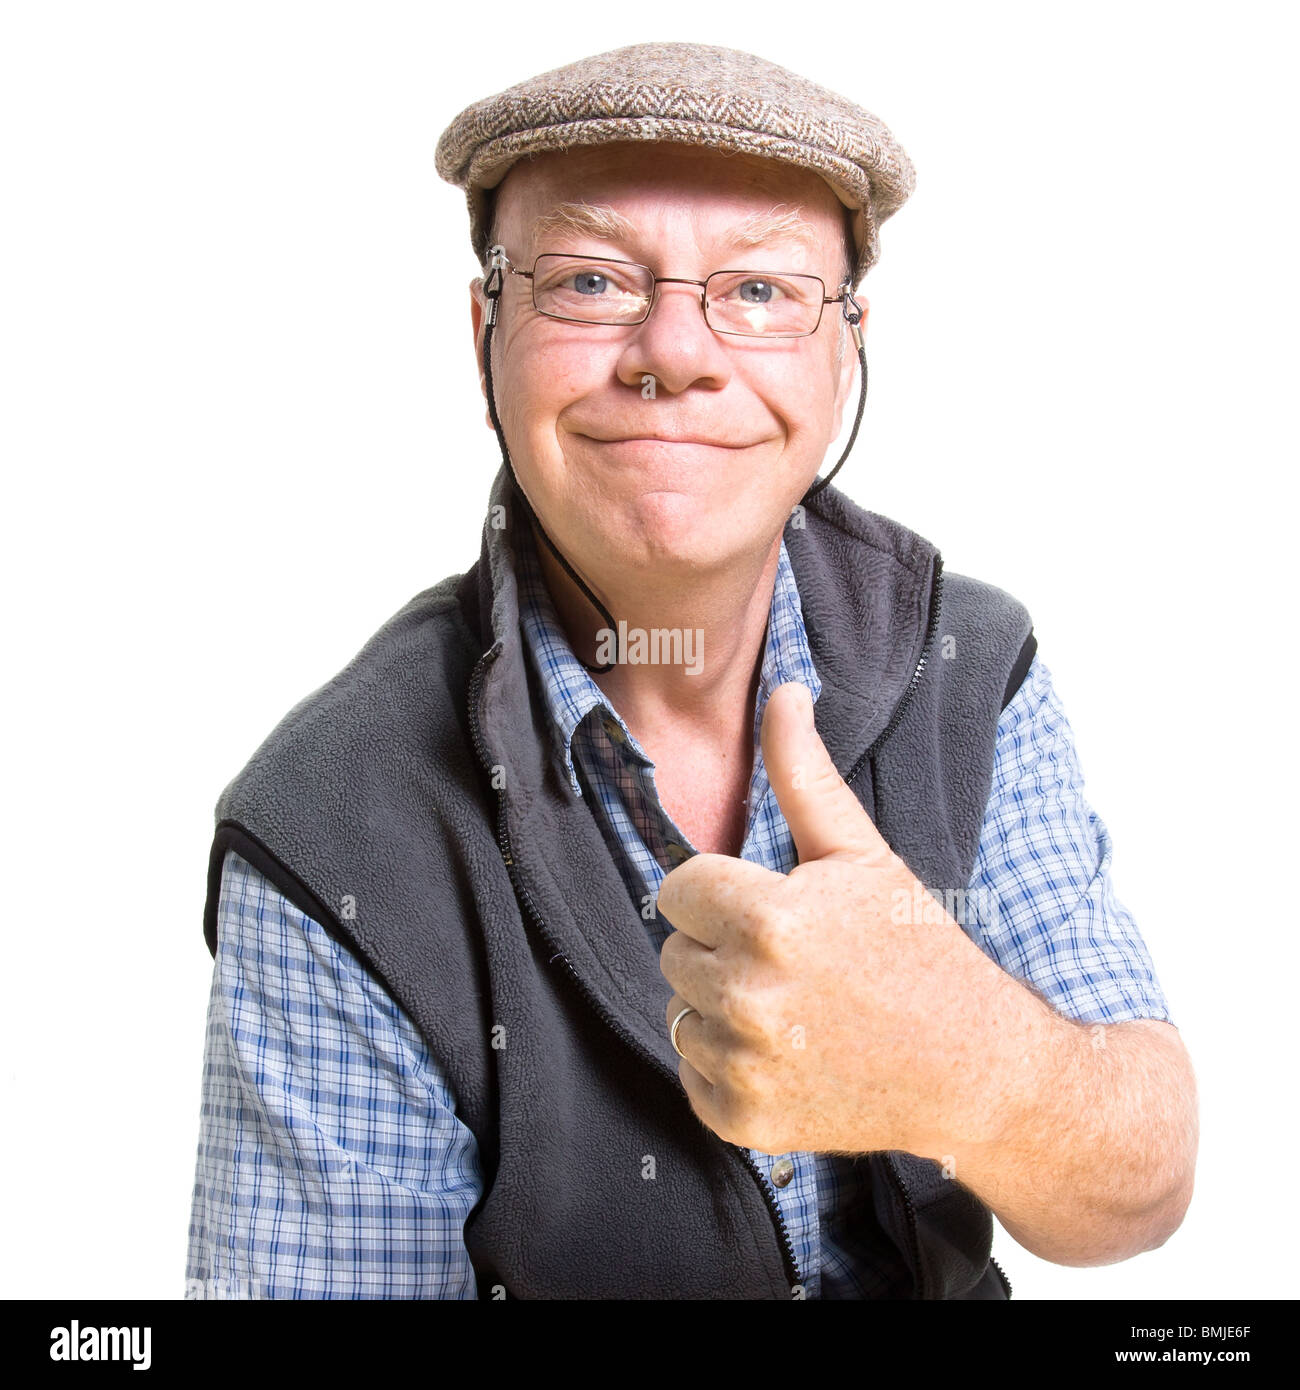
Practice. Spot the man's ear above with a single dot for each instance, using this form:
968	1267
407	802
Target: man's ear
848	368
478	316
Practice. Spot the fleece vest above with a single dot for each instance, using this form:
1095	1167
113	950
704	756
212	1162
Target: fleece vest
417	806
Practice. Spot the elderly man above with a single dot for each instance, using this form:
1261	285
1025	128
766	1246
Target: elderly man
697	898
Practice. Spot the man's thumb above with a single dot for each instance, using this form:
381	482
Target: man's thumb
823	814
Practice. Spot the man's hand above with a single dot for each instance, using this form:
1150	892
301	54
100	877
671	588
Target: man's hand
838	1003
842	1010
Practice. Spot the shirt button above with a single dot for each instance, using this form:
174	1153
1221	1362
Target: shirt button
782	1172
677	853
615	730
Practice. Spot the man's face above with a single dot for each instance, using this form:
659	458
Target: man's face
707	469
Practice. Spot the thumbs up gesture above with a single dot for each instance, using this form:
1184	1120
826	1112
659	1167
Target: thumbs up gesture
830	1014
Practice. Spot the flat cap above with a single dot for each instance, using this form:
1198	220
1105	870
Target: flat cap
687	93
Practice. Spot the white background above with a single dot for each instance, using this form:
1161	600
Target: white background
242	427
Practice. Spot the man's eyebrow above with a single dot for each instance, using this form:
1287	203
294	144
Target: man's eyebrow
583	219
781	221
608	224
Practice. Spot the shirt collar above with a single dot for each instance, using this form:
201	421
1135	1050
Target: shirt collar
571	694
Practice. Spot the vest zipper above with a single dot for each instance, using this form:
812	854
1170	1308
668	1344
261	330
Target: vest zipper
503	842
931	628
922	1288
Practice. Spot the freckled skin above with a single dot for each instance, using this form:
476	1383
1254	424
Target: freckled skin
760	953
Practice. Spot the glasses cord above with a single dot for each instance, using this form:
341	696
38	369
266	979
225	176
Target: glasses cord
492	286
853	317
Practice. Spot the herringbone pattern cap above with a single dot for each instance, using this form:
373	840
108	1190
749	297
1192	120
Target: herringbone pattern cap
692	94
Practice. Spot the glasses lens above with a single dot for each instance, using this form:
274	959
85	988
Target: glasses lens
591	290
760	305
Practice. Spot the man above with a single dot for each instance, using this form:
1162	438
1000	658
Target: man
697	898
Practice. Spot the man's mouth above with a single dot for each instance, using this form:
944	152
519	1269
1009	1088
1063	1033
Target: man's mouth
688	439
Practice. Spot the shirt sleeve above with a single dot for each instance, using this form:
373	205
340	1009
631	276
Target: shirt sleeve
1041	901
331	1163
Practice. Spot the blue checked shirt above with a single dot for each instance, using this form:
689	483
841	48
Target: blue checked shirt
331	1162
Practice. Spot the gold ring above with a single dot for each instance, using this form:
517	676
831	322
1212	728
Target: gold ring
672	1034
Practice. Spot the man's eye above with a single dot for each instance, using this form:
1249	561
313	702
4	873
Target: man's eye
590	282
756	291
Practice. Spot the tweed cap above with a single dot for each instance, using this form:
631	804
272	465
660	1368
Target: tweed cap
686	93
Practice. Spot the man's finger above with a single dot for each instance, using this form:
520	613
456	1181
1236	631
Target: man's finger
711	896
820	808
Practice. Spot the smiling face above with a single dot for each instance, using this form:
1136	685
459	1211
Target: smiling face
707	469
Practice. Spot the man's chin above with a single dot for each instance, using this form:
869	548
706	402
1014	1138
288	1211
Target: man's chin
664	535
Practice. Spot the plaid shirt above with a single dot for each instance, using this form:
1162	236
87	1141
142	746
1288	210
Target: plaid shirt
331	1162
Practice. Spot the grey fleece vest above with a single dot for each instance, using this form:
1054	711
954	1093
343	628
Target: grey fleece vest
416	805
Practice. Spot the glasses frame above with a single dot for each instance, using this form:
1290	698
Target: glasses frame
502	263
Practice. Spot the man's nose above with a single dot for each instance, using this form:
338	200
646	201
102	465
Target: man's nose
675	345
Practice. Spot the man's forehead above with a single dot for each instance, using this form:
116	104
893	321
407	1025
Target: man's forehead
615	193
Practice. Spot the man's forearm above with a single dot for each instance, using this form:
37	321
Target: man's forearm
1096	1136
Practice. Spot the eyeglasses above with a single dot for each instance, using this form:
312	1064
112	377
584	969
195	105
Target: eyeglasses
747	303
